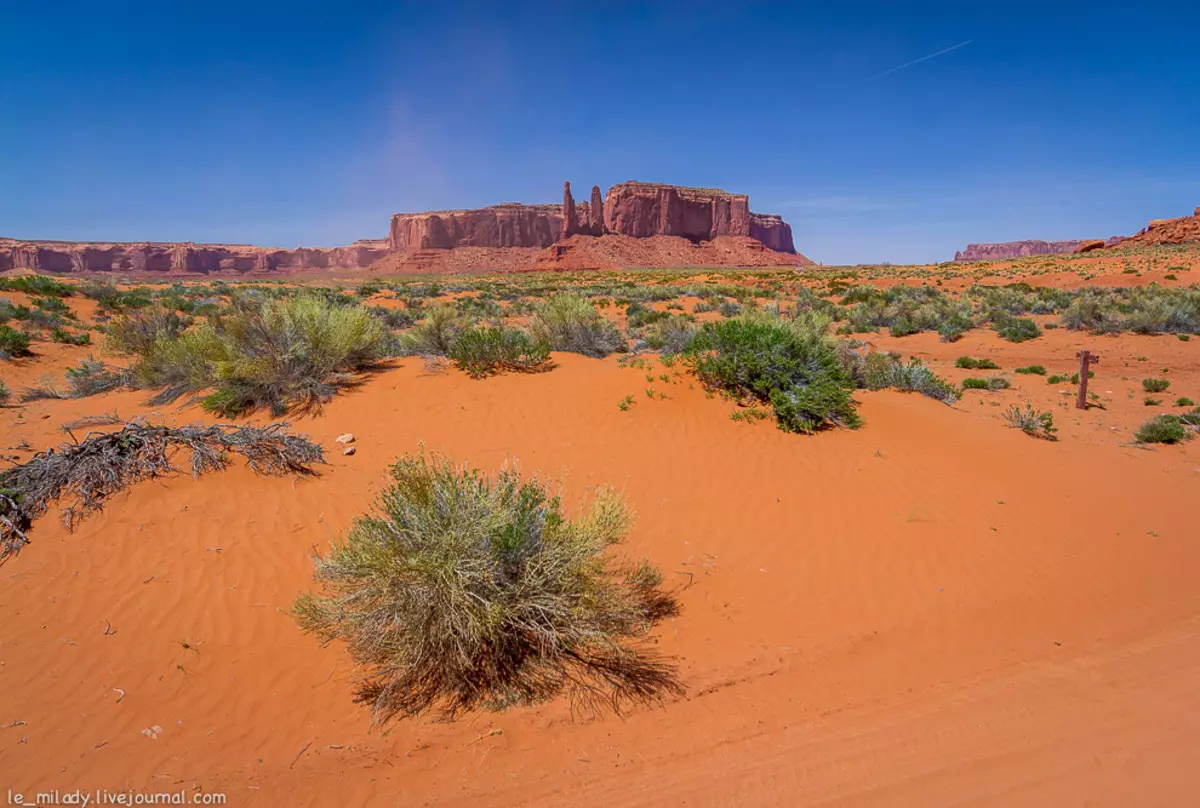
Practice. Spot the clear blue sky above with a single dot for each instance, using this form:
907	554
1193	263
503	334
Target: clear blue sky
310	123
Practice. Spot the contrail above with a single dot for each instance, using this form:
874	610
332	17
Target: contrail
922	59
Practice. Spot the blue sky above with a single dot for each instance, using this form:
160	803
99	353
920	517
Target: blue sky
304	123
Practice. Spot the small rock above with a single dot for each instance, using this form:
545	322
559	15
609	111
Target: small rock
347	438
350	450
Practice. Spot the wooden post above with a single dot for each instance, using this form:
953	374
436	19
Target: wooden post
1086	358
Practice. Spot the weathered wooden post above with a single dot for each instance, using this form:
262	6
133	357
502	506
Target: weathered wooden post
1086	359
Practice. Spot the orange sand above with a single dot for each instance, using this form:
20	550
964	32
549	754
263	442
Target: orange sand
934	609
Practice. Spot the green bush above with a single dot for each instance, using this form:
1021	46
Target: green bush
1037	423
37	285
975	384
139	332
13	342
484	351
1155	385
1018	329
970	363
567	322
67	338
5	393
1057	379
671	336
879	370
1036	370
93	377
762	361
278	354
1184	401
463	590
1162	429
434	335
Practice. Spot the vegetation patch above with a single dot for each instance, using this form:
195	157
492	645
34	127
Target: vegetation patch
464	590
485	351
1033	422
1163	429
567	322
794	369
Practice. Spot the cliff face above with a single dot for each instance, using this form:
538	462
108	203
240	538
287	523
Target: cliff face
507	225
1014	249
634	209
66	257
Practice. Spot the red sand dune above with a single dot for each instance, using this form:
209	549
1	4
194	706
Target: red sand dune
934	609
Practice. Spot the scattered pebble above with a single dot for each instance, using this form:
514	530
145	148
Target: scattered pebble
153	732
347	438
350	450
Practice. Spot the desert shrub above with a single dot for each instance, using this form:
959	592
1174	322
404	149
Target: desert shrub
971	363
1018	329
1037	423
1151	402
87	472
879	370
993	384
671	336
67	338
1155	385
1035	370
37	285
138	333
1147	310
906	310
729	308
111	299
1184	401
13	342
463	590
568	322
290	353
1191	418
1162	429
394	319
484	351
434	335
278	354
5	393
93	377
759	361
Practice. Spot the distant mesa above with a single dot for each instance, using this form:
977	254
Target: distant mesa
715	226
1181	230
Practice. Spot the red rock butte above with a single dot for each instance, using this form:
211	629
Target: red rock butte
636	209
716	227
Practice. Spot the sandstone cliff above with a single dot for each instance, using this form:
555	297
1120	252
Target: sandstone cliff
1015	249
632	210
1183	230
508	225
157	257
643	209
635	209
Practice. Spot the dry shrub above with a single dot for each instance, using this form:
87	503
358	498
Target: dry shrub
88	472
463	590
